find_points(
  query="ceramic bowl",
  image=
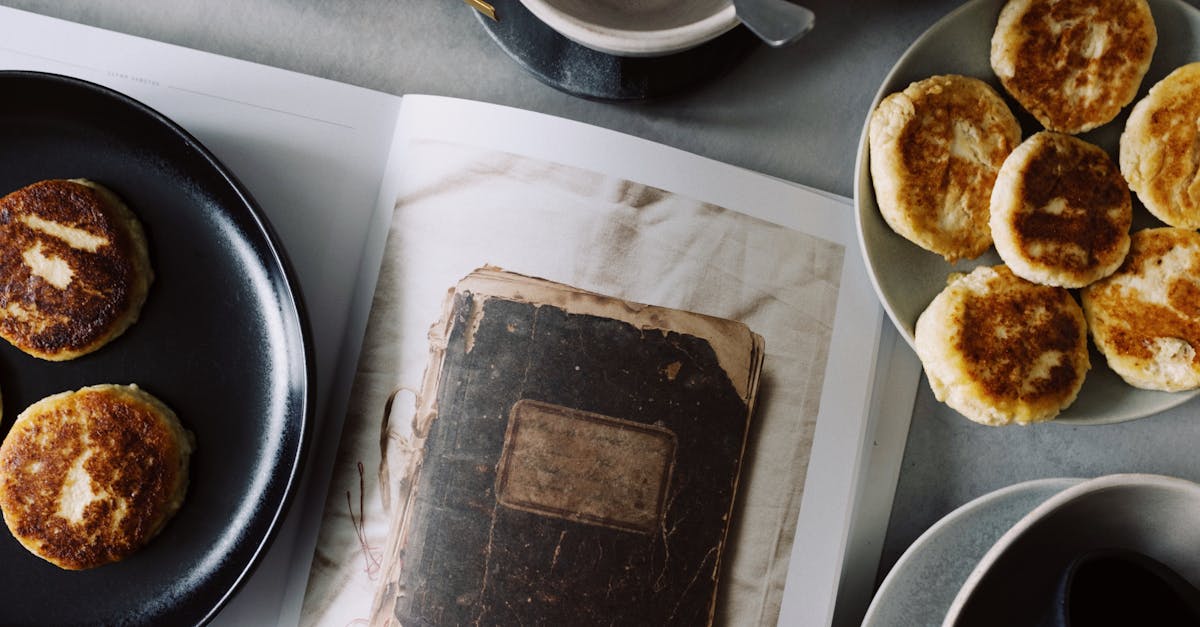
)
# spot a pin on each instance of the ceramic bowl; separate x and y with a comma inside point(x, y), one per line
point(1017, 582)
point(636, 28)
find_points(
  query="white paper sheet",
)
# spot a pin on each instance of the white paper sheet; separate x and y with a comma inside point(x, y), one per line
point(840, 454)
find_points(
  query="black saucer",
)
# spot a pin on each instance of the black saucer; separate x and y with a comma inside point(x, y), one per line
point(581, 71)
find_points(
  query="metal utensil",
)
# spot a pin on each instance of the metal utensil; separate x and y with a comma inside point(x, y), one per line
point(777, 22)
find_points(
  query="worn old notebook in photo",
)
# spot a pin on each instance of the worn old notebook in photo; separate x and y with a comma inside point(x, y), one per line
point(579, 458)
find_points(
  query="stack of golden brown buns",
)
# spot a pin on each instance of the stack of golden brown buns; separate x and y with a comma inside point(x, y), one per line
point(1008, 343)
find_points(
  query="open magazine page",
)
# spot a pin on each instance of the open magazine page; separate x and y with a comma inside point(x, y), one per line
point(483, 185)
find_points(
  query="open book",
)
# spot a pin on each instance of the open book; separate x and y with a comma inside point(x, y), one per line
point(384, 203)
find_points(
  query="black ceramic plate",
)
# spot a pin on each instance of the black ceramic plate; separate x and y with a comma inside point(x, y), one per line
point(222, 339)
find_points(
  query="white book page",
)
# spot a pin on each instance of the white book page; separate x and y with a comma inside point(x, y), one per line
point(822, 530)
point(839, 450)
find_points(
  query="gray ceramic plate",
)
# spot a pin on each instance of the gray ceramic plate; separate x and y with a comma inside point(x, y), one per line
point(907, 277)
point(1015, 581)
point(920, 587)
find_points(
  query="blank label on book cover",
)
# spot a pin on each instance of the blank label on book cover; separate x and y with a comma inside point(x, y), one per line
point(586, 467)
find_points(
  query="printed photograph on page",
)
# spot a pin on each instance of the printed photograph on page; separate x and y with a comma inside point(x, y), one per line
point(461, 209)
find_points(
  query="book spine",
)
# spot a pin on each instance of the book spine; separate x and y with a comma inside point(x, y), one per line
point(383, 608)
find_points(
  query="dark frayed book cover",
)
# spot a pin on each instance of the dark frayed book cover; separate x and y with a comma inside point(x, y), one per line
point(579, 461)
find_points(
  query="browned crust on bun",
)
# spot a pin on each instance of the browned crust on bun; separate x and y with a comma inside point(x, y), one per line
point(1158, 153)
point(935, 149)
point(1073, 64)
point(1002, 350)
point(1061, 211)
point(74, 268)
point(1145, 317)
point(89, 477)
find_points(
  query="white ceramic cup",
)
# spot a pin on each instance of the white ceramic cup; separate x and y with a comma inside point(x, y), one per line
point(636, 28)
point(1151, 514)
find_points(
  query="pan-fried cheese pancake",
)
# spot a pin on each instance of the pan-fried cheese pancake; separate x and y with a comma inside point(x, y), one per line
point(1002, 350)
point(89, 477)
point(935, 148)
point(1073, 64)
point(1061, 211)
point(1145, 318)
point(1158, 153)
point(74, 268)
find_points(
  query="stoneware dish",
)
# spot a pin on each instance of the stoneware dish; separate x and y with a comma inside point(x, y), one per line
point(636, 28)
point(1018, 581)
point(922, 584)
point(907, 278)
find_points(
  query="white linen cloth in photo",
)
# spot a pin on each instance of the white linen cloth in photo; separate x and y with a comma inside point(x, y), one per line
point(459, 209)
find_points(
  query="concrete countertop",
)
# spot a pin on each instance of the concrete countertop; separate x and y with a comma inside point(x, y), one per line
point(795, 113)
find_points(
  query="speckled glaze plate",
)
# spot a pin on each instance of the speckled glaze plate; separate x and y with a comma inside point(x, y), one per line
point(923, 583)
point(907, 277)
point(222, 339)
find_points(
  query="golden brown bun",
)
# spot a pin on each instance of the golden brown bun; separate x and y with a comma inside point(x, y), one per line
point(88, 477)
point(74, 268)
point(1061, 211)
point(1158, 155)
point(1001, 350)
point(935, 149)
point(1145, 318)
point(1073, 64)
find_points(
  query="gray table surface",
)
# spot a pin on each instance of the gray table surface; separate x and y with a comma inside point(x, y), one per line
point(795, 113)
